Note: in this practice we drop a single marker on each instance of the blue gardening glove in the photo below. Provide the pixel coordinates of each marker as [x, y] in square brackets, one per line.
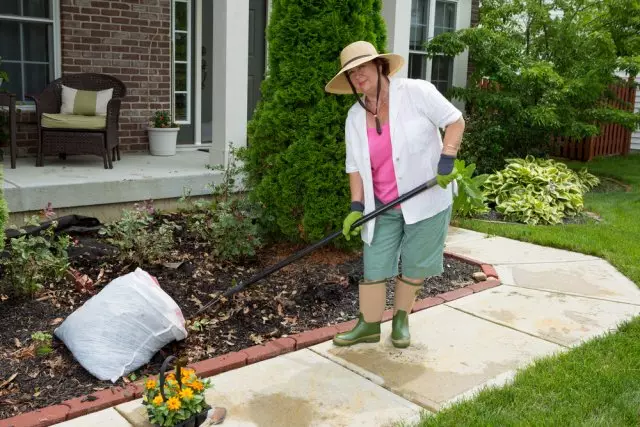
[354, 215]
[445, 169]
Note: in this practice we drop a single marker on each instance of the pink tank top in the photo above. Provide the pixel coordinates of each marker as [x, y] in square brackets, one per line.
[384, 175]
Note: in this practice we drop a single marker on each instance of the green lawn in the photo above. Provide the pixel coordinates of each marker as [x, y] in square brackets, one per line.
[598, 383]
[616, 238]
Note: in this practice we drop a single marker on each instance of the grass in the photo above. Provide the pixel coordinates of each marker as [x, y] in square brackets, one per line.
[598, 383]
[616, 238]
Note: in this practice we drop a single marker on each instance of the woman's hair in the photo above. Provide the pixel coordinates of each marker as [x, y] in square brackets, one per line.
[385, 65]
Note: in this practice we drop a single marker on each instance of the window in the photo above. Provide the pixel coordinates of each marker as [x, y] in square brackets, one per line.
[442, 66]
[444, 15]
[181, 39]
[419, 34]
[29, 44]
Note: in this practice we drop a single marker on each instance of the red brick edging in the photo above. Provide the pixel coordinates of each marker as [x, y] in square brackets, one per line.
[113, 396]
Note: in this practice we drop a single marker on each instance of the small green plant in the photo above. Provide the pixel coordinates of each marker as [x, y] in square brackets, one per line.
[538, 191]
[42, 341]
[3, 74]
[136, 238]
[35, 260]
[228, 223]
[162, 119]
[199, 325]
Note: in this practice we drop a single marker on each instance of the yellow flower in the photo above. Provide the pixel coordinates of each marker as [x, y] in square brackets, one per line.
[150, 384]
[157, 400]
[197, 385]
[173, 404]
[171, 376]
[186, 393]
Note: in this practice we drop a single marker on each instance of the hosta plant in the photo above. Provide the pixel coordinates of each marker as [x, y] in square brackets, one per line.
[537, 191]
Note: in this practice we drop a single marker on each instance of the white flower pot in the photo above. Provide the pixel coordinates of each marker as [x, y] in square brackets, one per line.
[162, 141]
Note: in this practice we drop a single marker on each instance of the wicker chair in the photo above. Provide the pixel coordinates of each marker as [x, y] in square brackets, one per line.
[101, 142]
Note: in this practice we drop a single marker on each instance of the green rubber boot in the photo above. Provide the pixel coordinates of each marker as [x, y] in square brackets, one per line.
[404, 298]
[400, 335]
[372, 298]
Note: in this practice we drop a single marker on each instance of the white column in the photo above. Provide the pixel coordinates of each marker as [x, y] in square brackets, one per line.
[197, 87]
[229, 76]
[397, 16]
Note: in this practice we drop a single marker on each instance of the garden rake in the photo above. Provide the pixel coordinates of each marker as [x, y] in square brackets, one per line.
[296, 256]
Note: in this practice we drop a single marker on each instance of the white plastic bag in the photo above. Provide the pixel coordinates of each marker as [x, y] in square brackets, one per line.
[122, 327]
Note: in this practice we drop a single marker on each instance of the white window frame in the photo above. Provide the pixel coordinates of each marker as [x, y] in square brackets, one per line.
[54, 6]
[187, 62]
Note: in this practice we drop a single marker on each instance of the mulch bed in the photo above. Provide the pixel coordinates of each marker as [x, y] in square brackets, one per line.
[318, 290]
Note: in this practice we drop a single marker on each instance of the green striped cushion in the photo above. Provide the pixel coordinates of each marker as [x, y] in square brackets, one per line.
[85, 102]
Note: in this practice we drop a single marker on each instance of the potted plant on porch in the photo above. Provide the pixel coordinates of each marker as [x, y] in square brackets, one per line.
[163, 134]
[4, 77]
[177, 399]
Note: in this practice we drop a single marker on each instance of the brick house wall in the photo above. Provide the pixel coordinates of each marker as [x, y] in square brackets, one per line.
[129, 39]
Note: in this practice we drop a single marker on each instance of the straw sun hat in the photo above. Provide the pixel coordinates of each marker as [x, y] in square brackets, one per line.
[355, 54]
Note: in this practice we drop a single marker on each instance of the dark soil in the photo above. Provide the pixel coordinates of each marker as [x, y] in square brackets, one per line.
[318, 290]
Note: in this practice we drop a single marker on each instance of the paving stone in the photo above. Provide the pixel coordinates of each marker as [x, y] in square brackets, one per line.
[499, 250]
[564, 319]
[105, 418]
[451, 352]
[597, 279]
[300, 388]
[460, 235]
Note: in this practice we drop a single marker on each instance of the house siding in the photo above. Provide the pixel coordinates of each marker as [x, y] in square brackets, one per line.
[129, 39]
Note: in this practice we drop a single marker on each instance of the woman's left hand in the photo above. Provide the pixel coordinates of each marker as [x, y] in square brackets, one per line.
[445, 168]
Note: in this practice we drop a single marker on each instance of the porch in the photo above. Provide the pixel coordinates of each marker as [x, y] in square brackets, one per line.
[80, 184]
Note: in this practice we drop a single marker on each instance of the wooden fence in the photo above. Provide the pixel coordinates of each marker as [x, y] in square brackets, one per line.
[612, 140]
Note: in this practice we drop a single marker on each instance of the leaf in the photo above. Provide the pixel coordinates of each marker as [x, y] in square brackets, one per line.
[56, 321]
[11, 378]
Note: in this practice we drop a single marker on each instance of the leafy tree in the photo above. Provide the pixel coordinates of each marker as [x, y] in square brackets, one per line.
[549, 64]
[295, 155]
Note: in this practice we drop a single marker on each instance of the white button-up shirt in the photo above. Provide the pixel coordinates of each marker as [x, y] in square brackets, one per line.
[416, 112]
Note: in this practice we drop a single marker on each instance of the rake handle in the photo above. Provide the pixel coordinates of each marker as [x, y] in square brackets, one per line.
[296, 256]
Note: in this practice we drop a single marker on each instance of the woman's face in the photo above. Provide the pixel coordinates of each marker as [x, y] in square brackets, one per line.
[364, 77]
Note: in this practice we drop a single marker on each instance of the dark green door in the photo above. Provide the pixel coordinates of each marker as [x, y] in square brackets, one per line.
[257, 27]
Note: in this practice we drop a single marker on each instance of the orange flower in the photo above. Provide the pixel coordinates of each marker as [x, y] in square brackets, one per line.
[186, 393]
[197, 385]
[150, 384]
[173, 404]
[157, 400]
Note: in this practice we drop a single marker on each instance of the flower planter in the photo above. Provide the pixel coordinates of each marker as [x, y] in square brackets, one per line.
[162, 141]
[194, 421]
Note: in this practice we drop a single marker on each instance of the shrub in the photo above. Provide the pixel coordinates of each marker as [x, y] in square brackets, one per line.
[537, 191]
[542, 69]
[139, 239]
[33, 260]
[296, 151]
[228, 224]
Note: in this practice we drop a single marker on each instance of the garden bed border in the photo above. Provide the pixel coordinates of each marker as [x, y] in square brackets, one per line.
[112, 396]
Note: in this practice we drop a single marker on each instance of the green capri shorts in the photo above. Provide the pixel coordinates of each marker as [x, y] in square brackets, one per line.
[419, 246]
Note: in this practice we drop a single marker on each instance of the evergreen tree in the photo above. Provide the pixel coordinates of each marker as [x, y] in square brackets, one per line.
[295, 158]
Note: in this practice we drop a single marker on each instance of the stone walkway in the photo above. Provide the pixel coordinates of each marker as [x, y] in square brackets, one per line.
[550, 300]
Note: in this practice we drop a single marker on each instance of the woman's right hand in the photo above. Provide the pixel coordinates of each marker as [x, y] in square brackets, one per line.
[348, 222]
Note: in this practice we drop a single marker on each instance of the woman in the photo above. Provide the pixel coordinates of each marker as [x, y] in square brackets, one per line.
[393, 145]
